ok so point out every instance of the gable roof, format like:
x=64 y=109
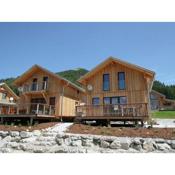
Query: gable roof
x=5 y=86
x=156 y=92
x=36 y=67
x=118 y=61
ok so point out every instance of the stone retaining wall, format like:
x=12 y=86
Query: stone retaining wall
x=48 y=141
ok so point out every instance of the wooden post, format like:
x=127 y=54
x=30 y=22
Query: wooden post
x=18 y=110
x=27 y=109
x=50 y=110
x=31 y=121
x=44 y=110
x=9 y=110
x=37 y=110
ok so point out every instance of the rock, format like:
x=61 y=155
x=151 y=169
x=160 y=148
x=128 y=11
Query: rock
x=115 y=144
x=12 y=145
x=59 y=141
x=68 y=141
x=7 y=139
x=75 y=138
x=87 y=142
x=77 y=143
x=36 y=133
x=125 y=143
x=158 y=140
x=49 y=134
x=14 y=133
x=16 y=139
x=148 y=145
x=60 y=135
x=40 y=150
x=0 y=137
x=4 y=133
x=136 y=144
x=25 y=134
x=96 y=140
x=45 y=139
x=104 y=144
x=163 y=147
x=173 y=144
x=28 y=140
x=6 y=150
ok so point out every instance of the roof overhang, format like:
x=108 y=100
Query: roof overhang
x=116 y=61
x=35 y=68
x=10 y=91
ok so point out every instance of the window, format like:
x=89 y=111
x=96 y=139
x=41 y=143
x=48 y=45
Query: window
x=4 y=95
x=45 y=83
x=106 y=100
x=95 y=101
x=114 y=100
x=123 y=100
x=106 y=82
x=34 y=84
x=52 y=101
x=121 y=80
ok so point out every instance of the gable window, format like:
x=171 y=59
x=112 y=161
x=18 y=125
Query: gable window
x=45 y=83
x=4 y=96
x=95 y=101
x=121 y=81
x=106 y=82
x=34 y=85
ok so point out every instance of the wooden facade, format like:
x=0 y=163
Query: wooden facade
x=8 y=100
x=47 y=94
x=160 y=102
x=129 y=101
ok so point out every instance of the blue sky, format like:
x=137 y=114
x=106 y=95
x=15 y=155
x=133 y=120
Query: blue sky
x=62 y=46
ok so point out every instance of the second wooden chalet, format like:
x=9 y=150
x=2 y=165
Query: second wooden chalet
x=116 y=90
x=47 y=94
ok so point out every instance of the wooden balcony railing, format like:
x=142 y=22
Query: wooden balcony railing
x=35 y=87
x=120 y=110
x=36 y=108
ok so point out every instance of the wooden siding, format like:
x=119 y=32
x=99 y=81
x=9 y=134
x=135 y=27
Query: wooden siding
x=136 y=85
x=56 y=88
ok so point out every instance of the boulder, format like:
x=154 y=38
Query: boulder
x=96 y=140
x=59 y=141
x=148 y=145
x=163 y=147
x=87 y=142
x=4 y=133
x=12 y=145
x=77 y=143
x=36 y=133
x=7 y=139
x=115 y=144
x=28 y=140
x=104 y=144
x=68 y=141
x=125 y=143
x=6 y=150
x=136 y=144
x=159 y=140
x=25 y=134
x=173 y=144
x=14 y=133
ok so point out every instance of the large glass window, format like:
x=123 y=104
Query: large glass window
x=121 y=80
x=106 y=100
x=4 y=96
x=106 y=82
x=95 y=101
x=123 y=100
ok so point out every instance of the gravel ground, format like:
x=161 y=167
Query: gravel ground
x=164 y=123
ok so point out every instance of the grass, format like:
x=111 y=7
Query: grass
x=164 y=114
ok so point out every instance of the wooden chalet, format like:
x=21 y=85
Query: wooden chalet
x=160 y=102
x=8 y=100
x=47 y=94
x=116 y=90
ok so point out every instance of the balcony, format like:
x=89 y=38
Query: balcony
x=35 y=87
x=129 y=111
x=36 y=108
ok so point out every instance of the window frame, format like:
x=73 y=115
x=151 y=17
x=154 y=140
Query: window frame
x=95 y=98
x=119 y=80
x=108 y=89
